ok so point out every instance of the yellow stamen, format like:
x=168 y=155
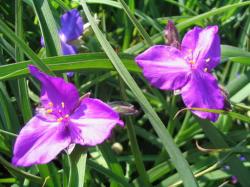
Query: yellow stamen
x=63 y=105
x=207 y=60
x=50 y=104
x=205 y=69
x=49 y=111
x=191 y=62
x=59 y=119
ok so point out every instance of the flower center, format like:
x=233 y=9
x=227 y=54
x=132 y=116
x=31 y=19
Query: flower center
x=59 y=112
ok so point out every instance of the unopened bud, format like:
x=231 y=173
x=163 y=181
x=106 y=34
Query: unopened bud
x=117 y=147
x=227 y=104
x=123 y=108
x=171 y=35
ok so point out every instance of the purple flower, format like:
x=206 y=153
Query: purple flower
x=188 y=69
x=71 y=29
x=234 y=179
x=242 y=158
x=62 y=120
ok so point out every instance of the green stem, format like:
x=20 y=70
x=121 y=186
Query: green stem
x=8 y=133
x=171 y=123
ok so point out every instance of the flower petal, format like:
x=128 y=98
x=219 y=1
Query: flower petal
x=56 y=91
x=164 y=67
x=204 y=45
x=68 y=49
x=190 y=39
x=39 y=142
x=71 y=25
x=92 y=122
x=202 y=91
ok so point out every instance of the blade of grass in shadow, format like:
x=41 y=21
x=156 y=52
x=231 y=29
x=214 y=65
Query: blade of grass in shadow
x=48 y=27
x=175 y=154
x=141 y=30
x=21 y=173
x=22 y=85
x=108 y=173
x=7 y=47
x=25 y=48
x=182 y=6
x=111 y=161
x=49 y=173
x=143 y=177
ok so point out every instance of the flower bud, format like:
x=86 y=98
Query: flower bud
x=171 y=35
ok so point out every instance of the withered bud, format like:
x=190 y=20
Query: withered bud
x=123 y=108
x=171 y=35
x=227 y=104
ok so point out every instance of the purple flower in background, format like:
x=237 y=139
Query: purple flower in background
x=71 y=29
x=187 y=69
x=62 y=120
x=234 y=179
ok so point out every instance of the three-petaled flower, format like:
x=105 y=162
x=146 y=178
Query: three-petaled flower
x=188 y=69
x=63 y=119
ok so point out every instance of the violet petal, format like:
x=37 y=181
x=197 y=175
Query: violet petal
x=203 y=46
x=164 y=67
x=39 y=142
x=92 y=122
x=202 y=91
x=71 y=25
x=68 y=49
x=56 y=91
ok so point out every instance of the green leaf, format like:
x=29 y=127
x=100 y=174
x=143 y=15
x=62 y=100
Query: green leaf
x=137 y=24
x=25 y=48
x=23 y=98
x=241 y=94
x=77 y=166
x=229 y=113
x=175 y=154
x=87 y=61
x=241 y=60
x=48 y=27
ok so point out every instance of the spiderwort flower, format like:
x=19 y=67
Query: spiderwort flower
x=187 y=69
x=71 y=29
x=62 y=120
